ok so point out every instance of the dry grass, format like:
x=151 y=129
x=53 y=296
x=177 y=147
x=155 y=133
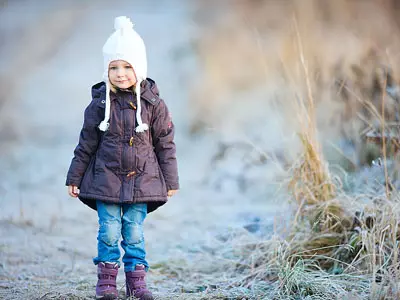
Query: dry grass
x=337 y=243
x=342 y=71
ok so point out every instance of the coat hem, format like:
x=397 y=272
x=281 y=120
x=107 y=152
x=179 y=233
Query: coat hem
x=153 y=202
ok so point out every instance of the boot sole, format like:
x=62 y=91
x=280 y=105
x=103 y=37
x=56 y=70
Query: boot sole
x=144 y=297
x=106 y=297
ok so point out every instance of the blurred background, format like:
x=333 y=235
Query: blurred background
x=238 y=77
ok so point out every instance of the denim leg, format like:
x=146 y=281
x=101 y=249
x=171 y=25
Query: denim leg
x=132 y=235
x=109 y=232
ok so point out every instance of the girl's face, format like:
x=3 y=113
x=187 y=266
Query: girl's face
x=121 y=74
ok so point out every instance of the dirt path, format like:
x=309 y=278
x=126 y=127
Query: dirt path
x=48 y=239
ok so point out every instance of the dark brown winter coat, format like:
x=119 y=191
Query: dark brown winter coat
x=121 y=165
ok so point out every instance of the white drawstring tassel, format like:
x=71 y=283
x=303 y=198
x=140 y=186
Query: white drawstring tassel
x=104 y=124
x=141 y=126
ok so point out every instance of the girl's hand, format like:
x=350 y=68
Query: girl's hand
x=73 y=191
x=172 y=193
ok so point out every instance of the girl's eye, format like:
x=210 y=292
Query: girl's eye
x=113 y=68
x=128 y=67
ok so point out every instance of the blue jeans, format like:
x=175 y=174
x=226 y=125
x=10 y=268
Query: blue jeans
x=125 y=219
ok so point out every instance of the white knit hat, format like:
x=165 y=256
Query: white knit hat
x=125 y=44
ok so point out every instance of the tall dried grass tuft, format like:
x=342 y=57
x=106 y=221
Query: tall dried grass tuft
x=310 y=182
x=337 y=233
x=337 y=240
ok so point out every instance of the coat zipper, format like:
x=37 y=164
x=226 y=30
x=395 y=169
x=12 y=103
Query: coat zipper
x=124 y=163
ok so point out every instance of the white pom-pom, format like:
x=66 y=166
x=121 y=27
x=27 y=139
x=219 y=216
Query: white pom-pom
x=142 y=127
x=104 y=126
x=122 y=23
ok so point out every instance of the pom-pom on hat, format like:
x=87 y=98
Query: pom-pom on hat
x=125 y=44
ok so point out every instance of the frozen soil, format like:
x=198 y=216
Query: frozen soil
x=48 y=239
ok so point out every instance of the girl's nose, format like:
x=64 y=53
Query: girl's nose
x=120 y=72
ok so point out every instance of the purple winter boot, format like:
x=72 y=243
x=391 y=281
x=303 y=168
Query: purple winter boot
x=136 y=284
x=106 y=288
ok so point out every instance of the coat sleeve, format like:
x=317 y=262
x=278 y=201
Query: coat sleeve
x=87 y=145
x=163 y=131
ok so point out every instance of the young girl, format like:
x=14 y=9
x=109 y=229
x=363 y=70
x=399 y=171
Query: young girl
x=124 y=165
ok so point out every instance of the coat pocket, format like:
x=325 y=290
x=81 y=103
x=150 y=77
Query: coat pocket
x=147 y=165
